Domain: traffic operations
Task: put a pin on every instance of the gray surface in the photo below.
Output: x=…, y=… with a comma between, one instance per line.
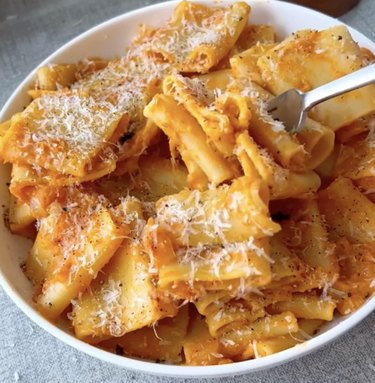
x=29, y=31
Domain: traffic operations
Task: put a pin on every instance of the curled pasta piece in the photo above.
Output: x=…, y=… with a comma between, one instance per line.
x=187, y=133
x=307, y=52
x=67, y=262
x=133, y=144
x=128, y=85
x=199, y=102
x=348, y=212
x=223, y=314
x=298, y=152
x=305, y=232
x=38, y=187
x=21, y=218
x=134, y=302
x=307, y=328
x=306, y=306
x=235, y=342
x=247, y=261
x=236, y=266
x=318, y=141
x=227, y=214
x=162, y=342
x=283, y=183
x=204, y=35
x=56, y=76
x=200, y=348
x=356, y=160
x=235, y=107
x=357, y=274
x=244, y=64
x=54, y=145
x=197, y=179
x=353, y=131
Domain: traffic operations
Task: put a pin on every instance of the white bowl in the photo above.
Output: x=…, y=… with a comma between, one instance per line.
x=107, y=40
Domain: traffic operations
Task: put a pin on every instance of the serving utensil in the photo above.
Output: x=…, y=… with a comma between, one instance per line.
x=291, y=107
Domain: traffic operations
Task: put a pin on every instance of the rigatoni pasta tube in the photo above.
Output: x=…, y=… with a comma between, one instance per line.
x=247, y=260
x=211, y=267
x=283, y=183
x=189, y=19
x=135, y=302
x=21, y=219
x=318, y=141
x=219, y=79
x=74, y=275
x=236, y=341
x=317, y=58
x=200, y=348
x=234, y=22
x=286, y=265
x=307, y=328
x=356, y=160
x=46, y=127
x=269, y=133
x=306, y=306
x=348, y=212
x=227, y=214
x=184, y=130
x=224, y=314
x=311, y=243
x=299, y=152
x=196, y=179
x=192, y=95
x=245, y=65
x=161, y=342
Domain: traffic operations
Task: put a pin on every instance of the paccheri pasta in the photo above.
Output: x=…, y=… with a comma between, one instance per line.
x=172, y=218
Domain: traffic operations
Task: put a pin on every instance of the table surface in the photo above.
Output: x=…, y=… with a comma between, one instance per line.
x=29, y=31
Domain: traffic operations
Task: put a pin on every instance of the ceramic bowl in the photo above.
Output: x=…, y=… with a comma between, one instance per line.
x=107, y=40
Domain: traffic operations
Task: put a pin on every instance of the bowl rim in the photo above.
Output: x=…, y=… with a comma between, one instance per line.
x=150, y=367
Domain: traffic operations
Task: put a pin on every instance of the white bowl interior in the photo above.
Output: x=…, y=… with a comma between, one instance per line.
x=109, y=40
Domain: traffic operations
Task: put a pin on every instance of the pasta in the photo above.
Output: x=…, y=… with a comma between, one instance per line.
x=319, y=57
x=172, y=217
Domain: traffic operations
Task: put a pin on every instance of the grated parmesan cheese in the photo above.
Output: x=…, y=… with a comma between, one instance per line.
x=65, y=131
x=261, y=106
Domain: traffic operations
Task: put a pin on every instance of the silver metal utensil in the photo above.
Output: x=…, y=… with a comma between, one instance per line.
x=291, y=107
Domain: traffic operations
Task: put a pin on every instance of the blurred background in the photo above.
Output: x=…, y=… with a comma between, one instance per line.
x=331, y=7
